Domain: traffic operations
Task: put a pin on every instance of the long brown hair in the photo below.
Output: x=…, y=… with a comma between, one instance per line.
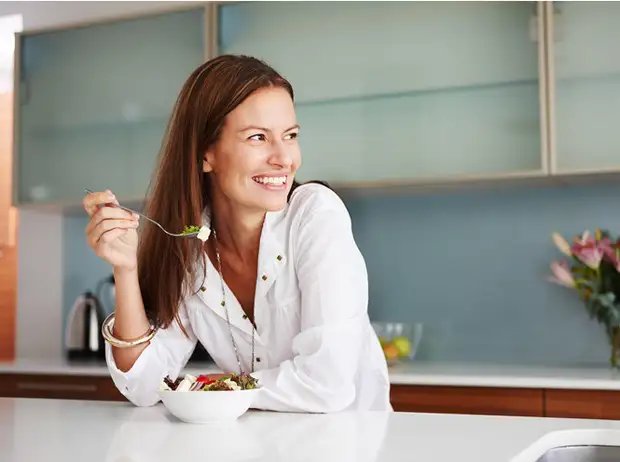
x=180, y=192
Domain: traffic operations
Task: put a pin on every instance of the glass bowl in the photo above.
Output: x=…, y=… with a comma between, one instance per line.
x=399, y=340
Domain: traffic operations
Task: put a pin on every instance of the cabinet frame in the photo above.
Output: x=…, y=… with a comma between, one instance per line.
x=575, y=174
x=463, y=180
x=550, y=84
x=548, y=173
x=209, y=39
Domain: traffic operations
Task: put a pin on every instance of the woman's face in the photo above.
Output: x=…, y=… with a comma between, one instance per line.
x=254, y=162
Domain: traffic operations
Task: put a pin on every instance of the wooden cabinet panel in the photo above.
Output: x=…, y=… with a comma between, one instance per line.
x=8, y=300
x=7, y=224
x=59, y=387
x=468, y=400
x=587, y=404
x=8, y=229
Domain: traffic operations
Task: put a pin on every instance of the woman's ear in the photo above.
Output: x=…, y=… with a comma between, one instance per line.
x=207, y=162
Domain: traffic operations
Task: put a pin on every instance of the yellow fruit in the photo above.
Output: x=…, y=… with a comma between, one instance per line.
x=403, y=345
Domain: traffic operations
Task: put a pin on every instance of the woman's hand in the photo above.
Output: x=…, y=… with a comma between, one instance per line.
x=111, y=231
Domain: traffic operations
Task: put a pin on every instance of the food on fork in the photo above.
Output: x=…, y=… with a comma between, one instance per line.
x=203, y=231
x=190, y=229
x=234, y=382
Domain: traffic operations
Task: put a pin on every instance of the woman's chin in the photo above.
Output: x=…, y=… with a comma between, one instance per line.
x=271, y=203
x=275, y=205
x=271, y=200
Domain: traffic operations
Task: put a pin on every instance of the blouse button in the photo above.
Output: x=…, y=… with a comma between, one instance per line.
x=279, y=257
x=264, y=277
x=258, y=360
x=245, y=316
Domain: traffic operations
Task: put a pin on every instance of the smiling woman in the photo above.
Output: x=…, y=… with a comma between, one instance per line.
x=278, y=289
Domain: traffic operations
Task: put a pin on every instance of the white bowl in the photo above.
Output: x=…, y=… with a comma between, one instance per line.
x=208, y=406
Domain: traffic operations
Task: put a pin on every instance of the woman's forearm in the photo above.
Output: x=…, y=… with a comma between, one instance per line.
x=130, y=318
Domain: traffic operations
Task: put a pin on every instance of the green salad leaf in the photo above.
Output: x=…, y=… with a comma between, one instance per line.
x=190, y=229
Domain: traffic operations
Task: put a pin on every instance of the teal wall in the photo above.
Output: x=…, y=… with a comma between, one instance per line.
x=471, y=267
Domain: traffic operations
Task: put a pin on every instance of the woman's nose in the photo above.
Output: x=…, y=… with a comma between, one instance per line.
x=281, y=156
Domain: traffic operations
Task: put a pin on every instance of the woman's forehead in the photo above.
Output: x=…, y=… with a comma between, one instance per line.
x=269, y=110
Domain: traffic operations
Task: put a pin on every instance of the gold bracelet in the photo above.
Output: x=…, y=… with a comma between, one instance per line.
x=106, y=331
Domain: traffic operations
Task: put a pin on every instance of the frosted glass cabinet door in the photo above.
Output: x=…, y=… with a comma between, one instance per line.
x=94, y=103
x=587, y=85
x=401, y=90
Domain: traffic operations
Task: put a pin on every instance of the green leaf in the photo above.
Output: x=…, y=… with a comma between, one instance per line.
x=608, y=299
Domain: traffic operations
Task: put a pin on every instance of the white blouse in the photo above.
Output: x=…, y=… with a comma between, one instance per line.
x=315, y=348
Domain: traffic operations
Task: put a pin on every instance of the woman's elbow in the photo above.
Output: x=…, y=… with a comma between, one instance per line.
x=142, y=399
x=335, y=399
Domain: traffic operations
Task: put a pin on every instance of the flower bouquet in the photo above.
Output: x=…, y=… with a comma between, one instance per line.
x=594, y=272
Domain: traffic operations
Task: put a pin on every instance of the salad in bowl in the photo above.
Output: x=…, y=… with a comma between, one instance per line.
x=186, y=400
x=233, y=382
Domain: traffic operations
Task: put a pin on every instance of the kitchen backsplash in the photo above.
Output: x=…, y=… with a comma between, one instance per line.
x=471, y=267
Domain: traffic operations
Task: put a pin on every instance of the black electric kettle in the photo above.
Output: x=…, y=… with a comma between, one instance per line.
x=83, y=338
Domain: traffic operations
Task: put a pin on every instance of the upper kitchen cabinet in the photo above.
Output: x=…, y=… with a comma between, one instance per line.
x=93, y=103
x=391, y=92
x=585, y=86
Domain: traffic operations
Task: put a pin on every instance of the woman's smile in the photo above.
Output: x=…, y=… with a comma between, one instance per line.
x=272, y=182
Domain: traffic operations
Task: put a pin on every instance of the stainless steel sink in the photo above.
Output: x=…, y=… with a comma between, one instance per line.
x=582, y=453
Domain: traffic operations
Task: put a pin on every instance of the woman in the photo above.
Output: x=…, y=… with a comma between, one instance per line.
x=278, y=290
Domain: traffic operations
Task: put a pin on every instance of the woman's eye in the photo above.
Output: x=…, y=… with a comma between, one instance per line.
x=292, y=136
x=257, y=137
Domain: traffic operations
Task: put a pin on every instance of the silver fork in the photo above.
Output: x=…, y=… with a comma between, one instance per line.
x=193, y=234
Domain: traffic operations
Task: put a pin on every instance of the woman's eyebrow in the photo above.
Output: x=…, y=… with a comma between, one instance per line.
x=256, y=127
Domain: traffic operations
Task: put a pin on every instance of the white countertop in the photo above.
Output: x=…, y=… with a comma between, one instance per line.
x=414, y=373
x=78, y=431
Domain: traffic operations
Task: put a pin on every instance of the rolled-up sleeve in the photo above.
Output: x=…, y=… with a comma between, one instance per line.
x=167, y=354
x=333, y=282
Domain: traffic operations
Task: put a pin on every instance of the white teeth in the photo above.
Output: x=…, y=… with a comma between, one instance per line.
x=275, y=180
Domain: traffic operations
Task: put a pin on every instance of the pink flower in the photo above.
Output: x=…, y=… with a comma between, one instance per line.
x=585, y=239
x=561, y=244
x=591, y=256
x=589, y=250
x=562, y=274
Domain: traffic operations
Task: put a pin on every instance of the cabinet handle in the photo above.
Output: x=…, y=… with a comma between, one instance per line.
x=56, y=387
